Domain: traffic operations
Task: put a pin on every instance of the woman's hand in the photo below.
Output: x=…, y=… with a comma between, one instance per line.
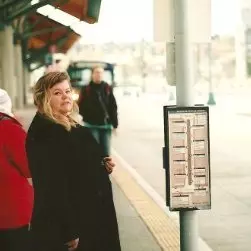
x=109, y=164
x=72, y=245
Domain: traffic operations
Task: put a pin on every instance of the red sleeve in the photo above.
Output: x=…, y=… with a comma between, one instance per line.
x=15, y=138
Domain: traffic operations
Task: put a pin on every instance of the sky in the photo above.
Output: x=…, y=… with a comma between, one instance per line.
x=131, y=20
x=122, y=20
x=224, y=16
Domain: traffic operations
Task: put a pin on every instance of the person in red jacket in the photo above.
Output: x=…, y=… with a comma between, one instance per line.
x=16, y=193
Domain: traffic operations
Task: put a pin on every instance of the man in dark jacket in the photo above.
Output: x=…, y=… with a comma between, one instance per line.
x=98, y=107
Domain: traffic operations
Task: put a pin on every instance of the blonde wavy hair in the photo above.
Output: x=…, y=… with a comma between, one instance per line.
x=42, y=99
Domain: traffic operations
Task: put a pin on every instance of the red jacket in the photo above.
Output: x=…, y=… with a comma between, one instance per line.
x=16, y=194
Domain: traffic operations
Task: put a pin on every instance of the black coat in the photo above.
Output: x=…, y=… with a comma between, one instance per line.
x=72, y=190
x=90, y=106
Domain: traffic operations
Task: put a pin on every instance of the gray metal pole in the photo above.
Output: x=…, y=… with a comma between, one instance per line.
x=19, y=76
x=1, y=56
x=8, y=64
x=26, y=83
x=211, y=97
x=142, y=66
x=170, y=68
x=183, y=54
x=189, y=231
x=185, y=77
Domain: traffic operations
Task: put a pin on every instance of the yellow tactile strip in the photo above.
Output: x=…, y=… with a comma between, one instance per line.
x=164, y=229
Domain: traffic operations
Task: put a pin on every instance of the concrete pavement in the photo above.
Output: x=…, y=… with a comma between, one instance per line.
x=134, y=234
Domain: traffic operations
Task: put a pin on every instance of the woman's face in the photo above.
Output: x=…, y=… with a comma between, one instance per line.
x=60, y=96
x=97, y=75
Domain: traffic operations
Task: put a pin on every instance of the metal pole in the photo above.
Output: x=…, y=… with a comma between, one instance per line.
x=211, y=98
x=8, y=64
x=143, y=65
x=185, y=78
x=183, y=54
x=189, y=231
x=170, y=68
x=19, y=75
x=26, y=83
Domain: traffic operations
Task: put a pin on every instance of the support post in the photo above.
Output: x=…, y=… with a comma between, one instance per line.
x=26, y=83
x=7, y=63
x=183, y=54
x=1, y=56
x=211, y=97
x=185, y=76
x=19, y=76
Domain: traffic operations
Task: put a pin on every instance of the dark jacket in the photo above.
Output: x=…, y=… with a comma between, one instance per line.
x=90, y=106
x=72, y=190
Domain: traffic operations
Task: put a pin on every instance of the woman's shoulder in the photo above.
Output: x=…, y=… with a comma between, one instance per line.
x=9, y=119
x=43, y=129
x=11, y=124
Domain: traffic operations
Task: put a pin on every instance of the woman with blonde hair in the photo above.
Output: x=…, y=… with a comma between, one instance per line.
x=73, y=204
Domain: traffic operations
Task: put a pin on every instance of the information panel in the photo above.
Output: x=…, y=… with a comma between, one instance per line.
x=188, y=157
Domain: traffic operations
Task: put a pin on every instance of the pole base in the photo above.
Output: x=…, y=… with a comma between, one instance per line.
x=211, y=99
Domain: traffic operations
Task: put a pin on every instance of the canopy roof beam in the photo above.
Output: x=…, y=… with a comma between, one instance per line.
x=25, y=9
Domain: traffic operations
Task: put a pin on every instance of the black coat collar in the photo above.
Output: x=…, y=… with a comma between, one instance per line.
x=43, y=127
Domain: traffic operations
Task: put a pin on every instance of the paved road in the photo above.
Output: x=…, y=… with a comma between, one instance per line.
x=227, y=227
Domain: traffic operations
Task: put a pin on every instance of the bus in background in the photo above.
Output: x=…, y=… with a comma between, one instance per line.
x=80, y=74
